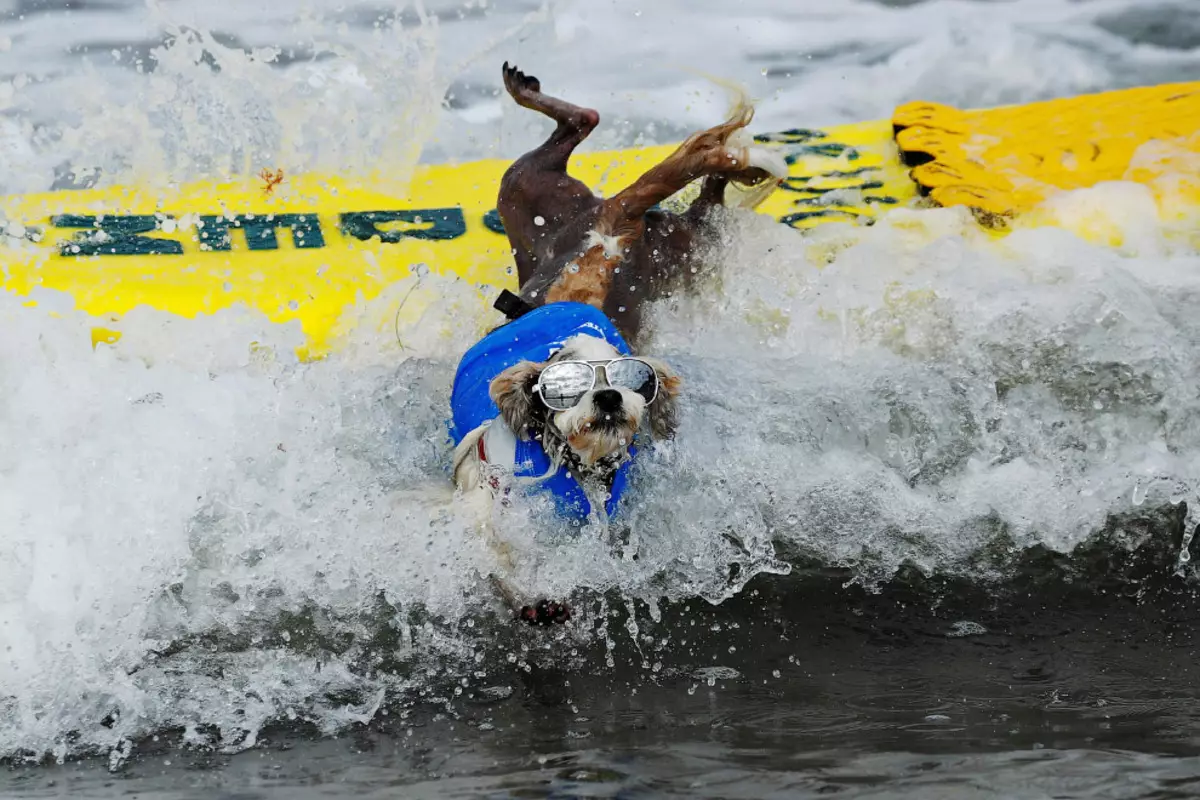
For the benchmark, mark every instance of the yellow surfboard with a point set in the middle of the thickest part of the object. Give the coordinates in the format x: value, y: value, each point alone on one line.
x: 309, y: 246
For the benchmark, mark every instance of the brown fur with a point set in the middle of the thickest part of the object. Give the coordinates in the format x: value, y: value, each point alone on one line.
x: 663, y: 413
x: 587, y: 280
x: 512, y: 392
x: 657, y: 245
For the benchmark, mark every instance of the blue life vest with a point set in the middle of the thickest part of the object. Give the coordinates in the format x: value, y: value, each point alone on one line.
x: 534, y: 336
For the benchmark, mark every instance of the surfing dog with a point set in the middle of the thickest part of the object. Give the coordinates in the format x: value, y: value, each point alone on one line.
x: 556, y: 397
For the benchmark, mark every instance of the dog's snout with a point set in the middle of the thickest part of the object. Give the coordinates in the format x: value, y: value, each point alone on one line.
x: 607, y: 400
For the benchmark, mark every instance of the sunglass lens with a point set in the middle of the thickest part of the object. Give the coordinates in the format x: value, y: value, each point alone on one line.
x: 632, y: 374
x: 564, y: 384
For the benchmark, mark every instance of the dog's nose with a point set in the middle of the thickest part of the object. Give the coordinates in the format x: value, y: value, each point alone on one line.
x: 607, y: 400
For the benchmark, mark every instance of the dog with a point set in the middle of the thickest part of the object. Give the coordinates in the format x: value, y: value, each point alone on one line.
x: 555, y: 398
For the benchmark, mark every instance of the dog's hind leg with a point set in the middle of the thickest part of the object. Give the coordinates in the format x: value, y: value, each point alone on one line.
x: 574, y: 122
x: 537, y: 196
x: 704, y: 154
x: 720, y: 154
x: 589, y: 278
x: 712, y: 193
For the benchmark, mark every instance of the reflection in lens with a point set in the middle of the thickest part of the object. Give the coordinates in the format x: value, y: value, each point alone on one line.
x: 632, y: 374
x: 563, y: 384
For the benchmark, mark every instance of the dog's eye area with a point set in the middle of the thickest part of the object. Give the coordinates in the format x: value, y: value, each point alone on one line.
x: 563, y: 385
x: 629, y: 373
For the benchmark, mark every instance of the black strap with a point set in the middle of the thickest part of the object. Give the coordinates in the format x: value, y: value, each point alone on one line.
x: 511, y: 306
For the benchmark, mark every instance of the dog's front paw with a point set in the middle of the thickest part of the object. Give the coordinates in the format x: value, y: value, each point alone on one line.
x: 518, y: 83
x: 545, y: 613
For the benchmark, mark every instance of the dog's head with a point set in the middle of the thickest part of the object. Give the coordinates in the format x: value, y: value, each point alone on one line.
x: 594, y: 413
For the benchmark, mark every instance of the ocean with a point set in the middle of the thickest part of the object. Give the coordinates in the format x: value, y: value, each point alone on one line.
x: 925, y: 529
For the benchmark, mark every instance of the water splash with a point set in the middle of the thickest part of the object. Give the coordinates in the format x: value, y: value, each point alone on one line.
x: 207, y: 536
x: 191, y: 104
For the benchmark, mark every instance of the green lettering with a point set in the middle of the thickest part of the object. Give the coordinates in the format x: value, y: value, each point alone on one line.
x: 113, y: 235
x: 260, y: 230
x: 800, y: 184
x: 791, y: 136
x: 443, y: 224
x: 791, y: 219
x: 492, y: 221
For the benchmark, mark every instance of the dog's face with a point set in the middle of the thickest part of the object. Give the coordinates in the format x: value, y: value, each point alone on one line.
x: 597, y: 422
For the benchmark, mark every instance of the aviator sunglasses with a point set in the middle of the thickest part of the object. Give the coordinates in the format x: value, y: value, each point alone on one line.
x: 564, y: 384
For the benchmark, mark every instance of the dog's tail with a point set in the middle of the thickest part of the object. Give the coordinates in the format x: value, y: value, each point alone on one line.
x: 732, y: 133
x: 741, y: 109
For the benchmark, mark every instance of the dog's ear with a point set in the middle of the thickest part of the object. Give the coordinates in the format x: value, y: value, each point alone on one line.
x: 663, y: 413
x: 512, y: 392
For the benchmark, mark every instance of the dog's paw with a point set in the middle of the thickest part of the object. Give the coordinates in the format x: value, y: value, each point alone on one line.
x: 545, y: 613
x: 518, y: 83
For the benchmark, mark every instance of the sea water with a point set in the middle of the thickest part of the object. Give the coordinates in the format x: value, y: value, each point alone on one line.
x: 202, y: 540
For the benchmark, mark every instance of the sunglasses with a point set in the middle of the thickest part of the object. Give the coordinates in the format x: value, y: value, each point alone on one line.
x: 564, y: 384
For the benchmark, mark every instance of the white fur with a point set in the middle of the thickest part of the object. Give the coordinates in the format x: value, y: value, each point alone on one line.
x: 767, y: 160
x: 611, y: 244
x: 468, y: 473
x: 499, y: 443
x: 585, y: 347
x: 592, y: 445
x: 584, y: 413
x: 741, y: 145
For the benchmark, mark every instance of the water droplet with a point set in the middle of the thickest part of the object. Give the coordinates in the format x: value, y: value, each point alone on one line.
x: 1139, y: 493
x: 776, y: 673
x: 539, y: 220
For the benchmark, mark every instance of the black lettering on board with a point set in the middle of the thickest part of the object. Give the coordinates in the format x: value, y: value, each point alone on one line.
x: 442, y: 224
x: 492, y: 221
x: 260, y: 231
x: 115, y: 235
